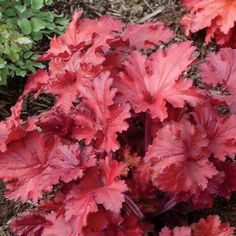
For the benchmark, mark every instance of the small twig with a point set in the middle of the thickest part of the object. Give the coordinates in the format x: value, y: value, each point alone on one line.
x: 148, y: 5
x: 153, y: 14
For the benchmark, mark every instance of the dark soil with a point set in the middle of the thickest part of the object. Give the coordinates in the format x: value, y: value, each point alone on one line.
x: 168, y: 11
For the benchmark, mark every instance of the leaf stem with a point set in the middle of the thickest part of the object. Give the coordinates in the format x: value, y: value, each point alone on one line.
x: 133, y: 207
x: 147, y: 131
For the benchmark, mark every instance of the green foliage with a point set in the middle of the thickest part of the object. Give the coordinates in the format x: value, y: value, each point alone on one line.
x: 28, y: 18
x: 23, y: 26
x: 16, y: 57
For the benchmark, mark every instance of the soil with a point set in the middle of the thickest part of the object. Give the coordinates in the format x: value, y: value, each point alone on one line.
x: 169, y: 11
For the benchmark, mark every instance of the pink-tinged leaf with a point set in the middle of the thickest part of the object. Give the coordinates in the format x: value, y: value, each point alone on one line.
x: 79, y: 34
x: 108, y: 223
x: 55, y: 122
x: 12, y: 128
x: 36, y: 82
x: 227, y: 40
x: 229, y: 184
x: 212, y: 226
x: 177, y: 231
x: 191, y: 176
x: 205, y: 199
x: 33, y: 165
x: 215, y: 15
x: 220, y: 69
x: 60, y: 46
x: 97, y: 187
x: 67, y: 82
x: 97, y: 117
x: 220, y: 131
x: 149, y: 84
x: 57, y: 226
x: 147, y: 35
x: 29, y: 223
x: 178, y: 158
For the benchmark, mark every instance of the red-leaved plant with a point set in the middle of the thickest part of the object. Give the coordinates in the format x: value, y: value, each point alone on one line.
x: 128, y: 139
x: 218, y: 17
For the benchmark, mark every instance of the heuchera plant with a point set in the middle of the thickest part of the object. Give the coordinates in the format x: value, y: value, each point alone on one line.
x: 129, y: 136
x: 218, y: 17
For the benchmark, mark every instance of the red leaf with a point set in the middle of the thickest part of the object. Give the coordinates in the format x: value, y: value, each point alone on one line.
x: 229, y: 184
x: 220, y: 69
x: 212, y: 226
x: 12, y: 128
x: 220, y: 131
x: 108, y: 223
x: 97, y: 117
x: 148, y: 84
x: 33, y: 165
x: 80, y: 33
x: 215, y: 15
x: 177, y: 231
x: 30, y: 223
x: 178, y: 157
x: 95, y: 188
x: 147, y: 35
x: 57, y: 226
x: 36, y: 82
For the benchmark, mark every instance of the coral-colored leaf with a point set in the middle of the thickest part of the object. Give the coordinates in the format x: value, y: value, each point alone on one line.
x: 215, y: 15
x: 220, y: 131
x: 229, y: 184
x: 148, y: 84
x: 95, y: 188
x: 33, y: 165
x: 178, y: 158
x: 212, y: 226
x: 177, y: 231
x: 30, y: 223
x: 81, y: 33
x: 97, y: 117
x: 147, y: 35
x: 220, y: 69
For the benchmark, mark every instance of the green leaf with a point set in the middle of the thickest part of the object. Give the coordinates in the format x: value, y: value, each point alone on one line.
x: 37, y: 24
x: 36, y: 4
x: 10, y: 12
x: 27, y: 55
x: 23, y: 40
x: 35, y: 56
x: 62, y: 21
x: 12, y: 21
x: 20, y: 8
x: 39, y: 65
x: 20, y: 72
x: 37, y: 36
x: 24, y: 25
x: 2, y: 63
x: 51, y: 26
x: 3, y: 76
x: 13, y: 56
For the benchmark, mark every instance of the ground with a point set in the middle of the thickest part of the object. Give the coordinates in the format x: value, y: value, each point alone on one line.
x: 169, y: 11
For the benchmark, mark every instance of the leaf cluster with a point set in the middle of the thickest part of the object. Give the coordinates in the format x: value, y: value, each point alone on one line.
x: 128, y: 138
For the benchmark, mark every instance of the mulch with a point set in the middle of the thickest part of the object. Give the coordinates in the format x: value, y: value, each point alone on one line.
x: 169, y: 11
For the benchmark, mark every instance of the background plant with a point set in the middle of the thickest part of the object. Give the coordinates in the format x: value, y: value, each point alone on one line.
x: 24, y: 28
